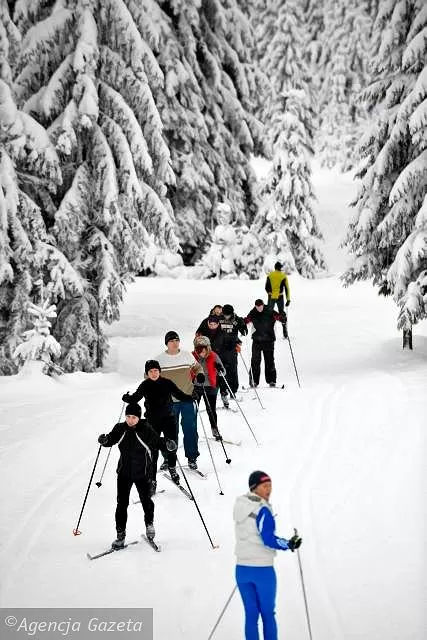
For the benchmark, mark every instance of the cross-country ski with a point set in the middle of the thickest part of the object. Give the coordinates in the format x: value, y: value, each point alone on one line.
x: 110, y: 550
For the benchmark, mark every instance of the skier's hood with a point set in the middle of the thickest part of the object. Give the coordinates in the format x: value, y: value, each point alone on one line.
x: 245, y: 505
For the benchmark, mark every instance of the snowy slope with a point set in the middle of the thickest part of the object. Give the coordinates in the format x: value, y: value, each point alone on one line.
x: 345, y: 452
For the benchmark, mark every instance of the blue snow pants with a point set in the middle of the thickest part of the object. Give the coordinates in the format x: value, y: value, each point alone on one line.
x: 189, y: 427
x: 257, y: 586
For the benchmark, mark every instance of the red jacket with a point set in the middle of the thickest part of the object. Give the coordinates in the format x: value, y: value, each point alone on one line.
x: 210, y: 365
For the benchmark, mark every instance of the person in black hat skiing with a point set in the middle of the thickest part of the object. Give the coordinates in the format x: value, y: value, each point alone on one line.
x: 136, y: 440
x: 256, y: 546
x: 263, y: 339
x: 232, y: 324
x: 157, y: 392
x: 276, y: 282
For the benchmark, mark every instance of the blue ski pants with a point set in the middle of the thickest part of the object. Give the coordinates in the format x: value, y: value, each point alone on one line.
x: 257, y: 586
x: 189, y: 427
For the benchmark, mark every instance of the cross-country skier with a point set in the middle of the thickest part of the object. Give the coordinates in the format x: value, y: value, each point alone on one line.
x: 179, y: 365
x: 136, y: 439
x: 220, y: 342
x: 256, y: 545
x: 276, y: 282
x: 263, y: 339
x: 157, y: 393
x: 232, y: 324
x: 211, y: 364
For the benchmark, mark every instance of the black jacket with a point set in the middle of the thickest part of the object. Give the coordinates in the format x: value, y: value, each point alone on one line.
x: 135, y: 445
x: 221, y: 343
x: 157, y: 394
x: 231, y: 326
x: 263, y: 323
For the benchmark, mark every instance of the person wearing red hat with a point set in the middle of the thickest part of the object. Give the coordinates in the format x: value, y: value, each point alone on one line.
x: 256, y: 545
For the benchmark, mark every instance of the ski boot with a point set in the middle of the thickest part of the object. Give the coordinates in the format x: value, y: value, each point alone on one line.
x: 119, y: 542
x: 164, y: 466
x: 150, y: 531
x: 225, y: 400
x: 216, y: 434
x: 271, y: 384
x: 192, y: 464
x: 174, y: 474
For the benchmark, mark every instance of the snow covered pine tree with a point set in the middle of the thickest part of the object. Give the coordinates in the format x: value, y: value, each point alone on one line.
x: 285, y: 224
x: 29, y: 166
x: 87, y: 74
x: 388, y: 235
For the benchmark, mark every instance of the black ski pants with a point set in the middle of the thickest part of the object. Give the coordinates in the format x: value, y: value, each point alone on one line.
x: 165, y: 424
x: 124, y: 485
x: 281, y: 309
x: 209, y: 397
x: 267, y: 350
x: 229, y: 361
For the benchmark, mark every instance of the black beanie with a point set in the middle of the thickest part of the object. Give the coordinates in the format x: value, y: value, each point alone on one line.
x: 133, y: 409
x: 278, y: 266
x: 171, y: 335
x: 227, y: 310
x: 256, y: 478
x: 152, y: 364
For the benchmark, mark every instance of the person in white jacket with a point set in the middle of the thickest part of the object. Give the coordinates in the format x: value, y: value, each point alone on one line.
x: 256, y: 545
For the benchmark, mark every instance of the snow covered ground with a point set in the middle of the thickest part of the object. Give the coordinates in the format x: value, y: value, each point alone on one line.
x: 346, y: 452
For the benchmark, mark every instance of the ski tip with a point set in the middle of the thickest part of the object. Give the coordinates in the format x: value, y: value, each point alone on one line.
x: 88, y: 556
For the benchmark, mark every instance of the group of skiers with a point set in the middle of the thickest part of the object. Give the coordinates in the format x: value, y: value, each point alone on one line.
x: 176, y: 381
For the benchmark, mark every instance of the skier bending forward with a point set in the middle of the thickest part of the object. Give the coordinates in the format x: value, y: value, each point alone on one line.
x: 135, y: 439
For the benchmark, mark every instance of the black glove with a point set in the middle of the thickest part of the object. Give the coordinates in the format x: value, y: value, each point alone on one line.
x: 171, y: 445
x: 126, y: 397
x: 103, y: 439
x: 244, y: 331
x: 195, y: 395
x: 294, y: 542
x: 288, y: 302
x: 201, y: 378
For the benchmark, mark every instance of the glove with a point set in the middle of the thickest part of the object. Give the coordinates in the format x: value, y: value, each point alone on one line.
x: 103, y: 439
x: 294, y: 542
x: 195, y: 394
x: 244, y: 331
x: 288, y: 302
x: 201, y: 378
x: 126, y: 398
x: 171, y: 445
x: 238, y: 348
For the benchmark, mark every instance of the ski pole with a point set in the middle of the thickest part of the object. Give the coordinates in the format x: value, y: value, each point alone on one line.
x: 304, y: 592
x: 251, y: 378
x: 293, y: 360
x: 222, y: 613
x: 221, y: 492
x: 209, y: 409
x: 238, y: 404
x: 214, y: 546
x: 76, y: 531
x: 99, y: 483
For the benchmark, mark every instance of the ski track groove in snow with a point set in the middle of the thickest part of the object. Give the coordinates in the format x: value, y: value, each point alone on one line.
x: 29, y: 530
